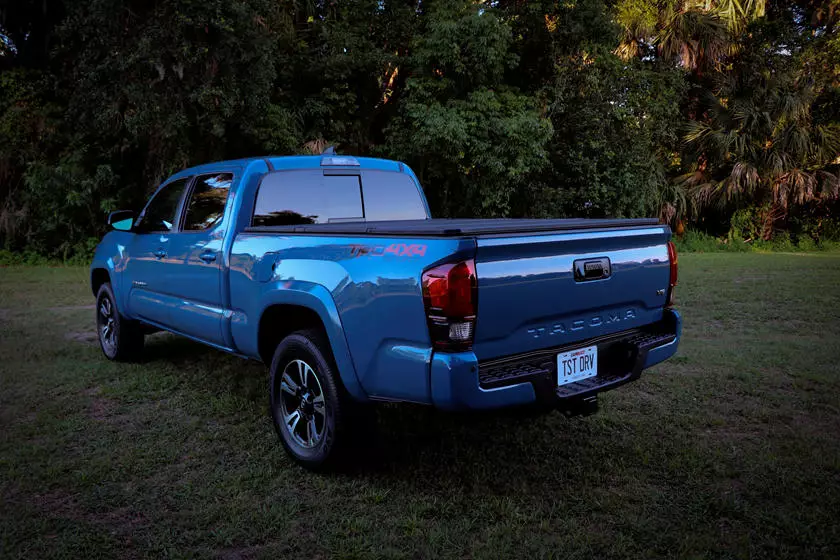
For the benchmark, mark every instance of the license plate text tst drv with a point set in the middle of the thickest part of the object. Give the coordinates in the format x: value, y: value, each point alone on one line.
x: 577, y: 364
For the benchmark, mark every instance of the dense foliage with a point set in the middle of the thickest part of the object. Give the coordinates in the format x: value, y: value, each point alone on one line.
x: 721, y: 113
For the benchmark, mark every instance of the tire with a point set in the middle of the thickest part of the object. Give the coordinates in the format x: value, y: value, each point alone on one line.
x: 120, y: 339
x: 312, y: 412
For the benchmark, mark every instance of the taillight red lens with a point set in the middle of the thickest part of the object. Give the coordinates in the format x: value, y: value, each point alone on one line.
x: 449, y: 288
x: 449, y: 293
x: 672, y: 282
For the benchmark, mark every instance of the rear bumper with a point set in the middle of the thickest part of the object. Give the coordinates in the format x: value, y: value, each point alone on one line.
x: 459, y: 381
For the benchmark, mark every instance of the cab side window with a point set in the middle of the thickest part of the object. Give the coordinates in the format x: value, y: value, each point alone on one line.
x: 206, y: 207
x: 159, y: 215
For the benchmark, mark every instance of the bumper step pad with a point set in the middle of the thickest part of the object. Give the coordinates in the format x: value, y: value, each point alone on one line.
x: 622, y: 355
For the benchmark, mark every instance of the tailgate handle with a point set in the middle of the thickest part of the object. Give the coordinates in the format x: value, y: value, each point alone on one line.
x: 592, y: 269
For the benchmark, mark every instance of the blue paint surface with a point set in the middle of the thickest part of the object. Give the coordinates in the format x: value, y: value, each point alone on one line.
x: 370, y: 303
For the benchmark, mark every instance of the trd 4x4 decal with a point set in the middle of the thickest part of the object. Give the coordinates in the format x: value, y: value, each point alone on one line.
x: 395, y: 249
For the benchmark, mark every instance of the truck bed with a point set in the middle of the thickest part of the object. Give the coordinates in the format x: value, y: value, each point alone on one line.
x: 439, y: 227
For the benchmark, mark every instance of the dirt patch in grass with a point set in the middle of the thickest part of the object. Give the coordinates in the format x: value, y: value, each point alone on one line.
x: 100, y: 408
x: 57, y: 503
x: 240, y: 553
x: 61, y: 504
x: 84, y: 337
x: 71, y: 308
x: 756, y: 278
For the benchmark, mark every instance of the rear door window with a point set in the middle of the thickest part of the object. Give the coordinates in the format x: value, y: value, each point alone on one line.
x: 206, y: 207
x: 307, y: 197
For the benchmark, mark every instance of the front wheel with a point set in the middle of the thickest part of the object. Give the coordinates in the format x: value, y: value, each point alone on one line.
x: 120, y: 339
x: 310, y: 408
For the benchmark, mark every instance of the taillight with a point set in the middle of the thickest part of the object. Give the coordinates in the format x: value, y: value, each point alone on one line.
x: 672, y: 282
x: 449, y: 293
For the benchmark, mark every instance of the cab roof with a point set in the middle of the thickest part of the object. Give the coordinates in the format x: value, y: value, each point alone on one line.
x: 292, y: 162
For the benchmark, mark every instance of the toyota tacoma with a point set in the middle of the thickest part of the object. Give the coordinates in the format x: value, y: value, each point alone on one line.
x: 330, y: 270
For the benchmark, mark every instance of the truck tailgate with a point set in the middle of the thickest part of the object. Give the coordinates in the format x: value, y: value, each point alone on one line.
x: 529, y: 298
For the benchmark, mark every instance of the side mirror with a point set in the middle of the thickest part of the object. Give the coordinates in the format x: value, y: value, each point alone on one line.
x: 121, y: 220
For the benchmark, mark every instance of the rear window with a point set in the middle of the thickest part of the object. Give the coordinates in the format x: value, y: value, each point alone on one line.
x: 391, y: 196
x: 304, y: 197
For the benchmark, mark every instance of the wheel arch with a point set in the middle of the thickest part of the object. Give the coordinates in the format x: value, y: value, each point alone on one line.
x: 278, y: 321
x: 99, y: 276
x: 287, y: 311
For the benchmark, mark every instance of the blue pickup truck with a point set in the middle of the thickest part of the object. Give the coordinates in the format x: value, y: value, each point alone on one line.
x: 330, y: 269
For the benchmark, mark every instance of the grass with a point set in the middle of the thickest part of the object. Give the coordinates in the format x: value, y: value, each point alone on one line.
x: 728, y: 450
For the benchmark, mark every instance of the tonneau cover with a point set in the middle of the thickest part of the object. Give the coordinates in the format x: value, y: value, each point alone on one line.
x: 440, y: 227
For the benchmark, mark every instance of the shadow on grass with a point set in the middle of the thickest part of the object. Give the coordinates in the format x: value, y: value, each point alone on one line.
x: 177, y: 350
x: 206, y: 368
x: 411, y: 444
x: 503, y: 451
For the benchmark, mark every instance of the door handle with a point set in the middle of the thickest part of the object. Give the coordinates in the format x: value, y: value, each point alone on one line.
x: 160, y: 253
x: 207, y: 256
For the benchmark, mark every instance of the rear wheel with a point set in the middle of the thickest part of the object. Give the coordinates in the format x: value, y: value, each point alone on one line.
x: 302, y: 405
x: 120, y: 339
x: 312, y: 412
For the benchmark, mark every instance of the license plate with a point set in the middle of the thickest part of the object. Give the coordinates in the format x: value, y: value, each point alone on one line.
x: 577, y: 364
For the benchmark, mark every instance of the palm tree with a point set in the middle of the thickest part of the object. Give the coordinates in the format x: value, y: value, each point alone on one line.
x: 758, y: 142
x: 750, y: 133
x: 698, y: 34
x: 697, y: 38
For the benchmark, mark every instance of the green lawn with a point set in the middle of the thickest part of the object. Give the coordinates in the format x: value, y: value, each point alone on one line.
x: 731, y: 449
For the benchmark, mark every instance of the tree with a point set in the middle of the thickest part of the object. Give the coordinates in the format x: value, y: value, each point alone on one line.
x: 473, y: 140
x: 757, y: 130
x: 504, y: 108
x: 757, y: 140
x: 613, y: 120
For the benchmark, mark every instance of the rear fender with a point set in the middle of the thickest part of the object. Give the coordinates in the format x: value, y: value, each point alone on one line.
x: 317, y: 298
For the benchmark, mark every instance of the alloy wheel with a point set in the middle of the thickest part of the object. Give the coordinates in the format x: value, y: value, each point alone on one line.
x: 303, y: 409
x: 107, y: 324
